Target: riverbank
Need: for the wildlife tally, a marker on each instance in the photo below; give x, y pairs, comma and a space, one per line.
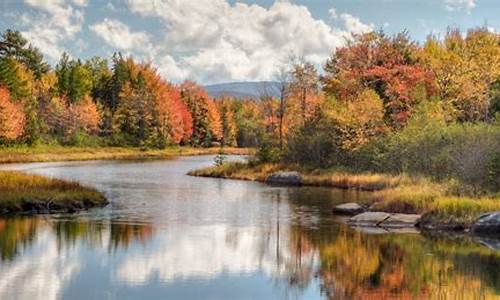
24, 154
22, 193
440, 206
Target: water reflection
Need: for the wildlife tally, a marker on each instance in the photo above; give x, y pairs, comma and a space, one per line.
239, 240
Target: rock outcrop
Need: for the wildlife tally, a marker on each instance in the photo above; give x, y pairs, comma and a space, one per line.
488, 223
348, 209
285, 178
383, 219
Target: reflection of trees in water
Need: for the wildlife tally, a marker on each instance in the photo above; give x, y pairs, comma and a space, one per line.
123, 234
295, 248
17, 233
359, 266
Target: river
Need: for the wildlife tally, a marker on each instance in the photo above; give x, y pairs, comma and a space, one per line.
167, 235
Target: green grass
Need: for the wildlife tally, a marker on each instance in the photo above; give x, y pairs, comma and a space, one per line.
46, 153
436, 201
24, 193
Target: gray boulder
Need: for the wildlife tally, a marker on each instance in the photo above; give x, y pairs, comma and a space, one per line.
383, 219
385, 230
488, 223
285, 178
490, 242
348, 209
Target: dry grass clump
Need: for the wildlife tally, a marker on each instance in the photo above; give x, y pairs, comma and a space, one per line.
360, 181
435, 203
21, 193
412, 198
237, 170
328, 178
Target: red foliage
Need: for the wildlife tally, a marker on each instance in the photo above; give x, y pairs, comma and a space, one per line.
187, 120
173, 115
87, 115
205, 115
12, 118
388, 65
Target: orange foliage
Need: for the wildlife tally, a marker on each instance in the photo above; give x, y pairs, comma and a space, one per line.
173, 114
12, 118
205, 116
388, 65
87, 115
187, 120
214, 120
173, 118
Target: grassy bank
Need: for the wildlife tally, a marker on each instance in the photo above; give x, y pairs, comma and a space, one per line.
23, 154
439, 203
23, 193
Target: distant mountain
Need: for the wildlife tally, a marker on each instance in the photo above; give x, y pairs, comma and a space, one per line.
242, 90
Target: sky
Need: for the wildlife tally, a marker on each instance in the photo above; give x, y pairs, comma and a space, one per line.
214, 41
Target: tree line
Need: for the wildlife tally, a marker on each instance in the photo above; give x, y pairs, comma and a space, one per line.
383, 102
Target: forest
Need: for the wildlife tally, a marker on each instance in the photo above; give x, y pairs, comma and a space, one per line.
383, 103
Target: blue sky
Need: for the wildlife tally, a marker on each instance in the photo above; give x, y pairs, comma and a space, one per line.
214, 41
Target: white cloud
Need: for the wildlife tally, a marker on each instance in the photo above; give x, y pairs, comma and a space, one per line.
354, 25
332, 12
216, 41
56, 22
110, 6
460, 5
81, 2
119, 35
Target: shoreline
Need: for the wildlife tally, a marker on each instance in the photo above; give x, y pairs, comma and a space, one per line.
12, 155
395, 194
27, 194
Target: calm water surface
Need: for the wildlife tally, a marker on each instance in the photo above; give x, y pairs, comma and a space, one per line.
170, 236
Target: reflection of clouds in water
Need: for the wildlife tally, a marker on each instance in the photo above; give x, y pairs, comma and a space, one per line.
206, 252
42, 272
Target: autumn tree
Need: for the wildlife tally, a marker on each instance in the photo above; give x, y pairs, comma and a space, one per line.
282, 87
304, 86
207, 125
149, 110
388, 65
249, 122
16, 77
466, 69
229, 129
12, 119
173, 119
133, 117
87, 115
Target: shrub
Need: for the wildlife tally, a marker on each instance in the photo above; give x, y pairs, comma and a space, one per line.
268, 152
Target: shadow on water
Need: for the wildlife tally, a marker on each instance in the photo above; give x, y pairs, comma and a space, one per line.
236, 240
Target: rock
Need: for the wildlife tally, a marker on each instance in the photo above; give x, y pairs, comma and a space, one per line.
385, 230
492, 243
488, 223
284, 178
348, 209
383, 219
401, 220
369, 218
